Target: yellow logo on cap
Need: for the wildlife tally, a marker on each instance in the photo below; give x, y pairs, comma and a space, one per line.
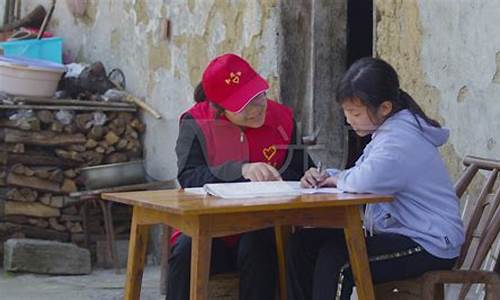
233, 78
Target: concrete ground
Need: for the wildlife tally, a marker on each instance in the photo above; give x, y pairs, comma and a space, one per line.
99, 285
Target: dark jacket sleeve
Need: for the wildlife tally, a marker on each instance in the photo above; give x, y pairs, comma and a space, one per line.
193, 169
298, 160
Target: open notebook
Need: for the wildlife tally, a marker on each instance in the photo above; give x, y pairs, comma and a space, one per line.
259, 189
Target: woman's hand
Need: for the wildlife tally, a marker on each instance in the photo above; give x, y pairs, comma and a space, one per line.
313, 178
260, 172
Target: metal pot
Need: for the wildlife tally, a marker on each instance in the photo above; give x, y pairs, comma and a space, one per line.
102, 176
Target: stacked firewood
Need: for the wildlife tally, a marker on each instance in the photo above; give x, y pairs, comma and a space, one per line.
40, 154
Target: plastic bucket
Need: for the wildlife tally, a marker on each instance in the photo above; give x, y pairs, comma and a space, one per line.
29, 77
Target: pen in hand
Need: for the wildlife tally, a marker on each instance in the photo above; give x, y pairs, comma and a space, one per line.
320, 170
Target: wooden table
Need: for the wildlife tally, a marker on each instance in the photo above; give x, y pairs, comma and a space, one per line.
204, 217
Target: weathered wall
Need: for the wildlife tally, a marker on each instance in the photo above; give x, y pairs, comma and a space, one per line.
448, 56
128, 34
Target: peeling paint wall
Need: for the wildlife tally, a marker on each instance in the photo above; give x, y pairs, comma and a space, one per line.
128, 34
448, 56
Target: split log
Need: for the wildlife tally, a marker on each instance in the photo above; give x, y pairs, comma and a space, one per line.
22, 124
77, 148
83, 121
125, 116
70, 173
3, 175
72, 218
130, 132
70, 210
57, 201
22, 195
20, 169
8, 229
30, 209
70, 128
138, 125
57, 175
35, 160
42, 223
43, 172
74, 227
93, 157
91, 144
46, 198
33, 182
110, 150
111, 138
70, 155
52, 201
55, 225
16, 219
56, 126
68, 186
45, 116
116, 158
118, 126
14, 148
100, 149
122, 144
96, 133
44, 138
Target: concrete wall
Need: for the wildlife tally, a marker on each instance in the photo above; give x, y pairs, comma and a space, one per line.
447, 54
129, 34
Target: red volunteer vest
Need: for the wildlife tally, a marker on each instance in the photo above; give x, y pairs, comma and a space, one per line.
226, 142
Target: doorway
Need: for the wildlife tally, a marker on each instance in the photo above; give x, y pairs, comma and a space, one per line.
359, 44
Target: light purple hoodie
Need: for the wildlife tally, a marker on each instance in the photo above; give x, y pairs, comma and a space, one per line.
402, 160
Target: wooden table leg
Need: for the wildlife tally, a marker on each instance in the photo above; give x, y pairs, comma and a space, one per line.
357, 253
200, 264
165, 254
139, 234
281, 233
110, 233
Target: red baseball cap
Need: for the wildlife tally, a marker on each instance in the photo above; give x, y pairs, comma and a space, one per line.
231, 82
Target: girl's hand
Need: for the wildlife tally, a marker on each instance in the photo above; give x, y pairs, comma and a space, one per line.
313, 178
260, 172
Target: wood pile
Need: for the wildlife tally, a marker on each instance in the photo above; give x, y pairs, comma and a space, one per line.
39, 160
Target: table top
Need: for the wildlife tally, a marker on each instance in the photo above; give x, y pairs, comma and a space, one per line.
186, 203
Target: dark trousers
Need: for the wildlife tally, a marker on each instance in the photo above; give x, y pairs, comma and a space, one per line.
254, 257
318, 263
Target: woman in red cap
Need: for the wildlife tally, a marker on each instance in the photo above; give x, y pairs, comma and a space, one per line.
234, 133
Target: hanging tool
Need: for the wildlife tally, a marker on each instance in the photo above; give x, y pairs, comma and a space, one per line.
46, 20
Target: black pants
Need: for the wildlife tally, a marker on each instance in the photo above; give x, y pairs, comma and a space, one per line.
318, 263
254, 257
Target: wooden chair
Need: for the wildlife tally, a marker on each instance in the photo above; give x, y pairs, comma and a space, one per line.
482, 228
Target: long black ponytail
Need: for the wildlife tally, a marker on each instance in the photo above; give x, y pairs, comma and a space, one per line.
199, 94
373, 81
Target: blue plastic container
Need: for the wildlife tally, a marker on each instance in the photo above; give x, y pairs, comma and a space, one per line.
46, 49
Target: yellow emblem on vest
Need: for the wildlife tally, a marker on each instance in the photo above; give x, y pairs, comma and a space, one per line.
269, 152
